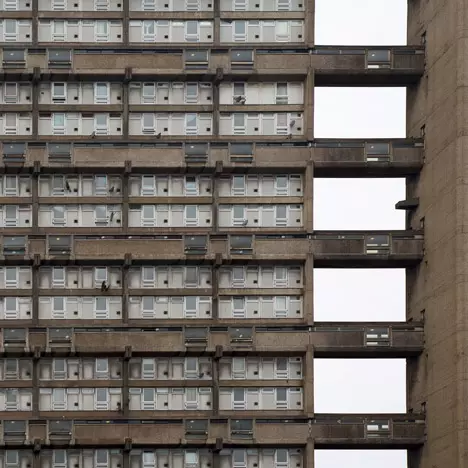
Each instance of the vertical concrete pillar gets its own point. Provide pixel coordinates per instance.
(309, 102)
(309, 381)
(309, 197)
(35, 22)
(309, 290)
(125, 23)
(309, 453)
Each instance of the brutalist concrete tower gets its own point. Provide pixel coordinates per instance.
(157, 248)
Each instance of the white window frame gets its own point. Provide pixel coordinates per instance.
(191, 187)
(58, 400)
(58, 185)
(238, 404)
(59, 129)
(148, 5)
(9, 189)
(11, 399)
(100, 312)
(101, 185)
(101, 404)
(147, 306)
(194, 372)
(280, 280)
(59, 5)
(238, 281)
(101, 97)
(282, 124)
(59, 215)
(10, 123)
(239, 307)
(192, 36)
(281, 404)
(282, 191)
(11, 305)
(101, 215)
(281, 221)
(101, 368)
(148, 30)
(148, 123)
(236, 220)
(101, 34)
(9, 463)
(239, 126)
(191, 312)
(148, 400)
(151, 282)
(11, 218)
(281, 464)
(191, 221)
(10, 5)
(11, 283)
(99, 277)
(101, 5)
(281, 373)
(148, 185)
(60, 281)
(192, 5)
(191, 94)
(59, 98)
(280, 34)
(239, 34)
(238, 191)
(101, 127)
(101, 464)
(191, 398)
(59, 307)
(10, 30)
(11, 374)
(238, 368)
(148, 93)
(191, 129)
(281, 98)
(281, 306)
(57, 372)
(59, 30)
(8, 96)
(150, 372)
(148, 216)
(188, 283)
(60, 463)
(238, 95)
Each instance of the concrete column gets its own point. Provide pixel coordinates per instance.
(35, 22)
(125, 23)
(309, 381)
(309, 103)
(309, 290)
(309, 197)
(309, 453)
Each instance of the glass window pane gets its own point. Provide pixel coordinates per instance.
(191, 302)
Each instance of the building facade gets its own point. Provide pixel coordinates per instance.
(156, 311)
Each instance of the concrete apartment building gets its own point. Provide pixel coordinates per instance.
(156, 310)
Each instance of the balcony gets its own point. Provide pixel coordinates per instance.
(386, 431)
(337, 340)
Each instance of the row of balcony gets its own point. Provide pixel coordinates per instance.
(326, 431)
(328, 249)
(358, 66)
(334, 340)
(330, 158)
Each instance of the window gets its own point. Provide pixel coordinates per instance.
(100, 214)
(59, 459)
(281, 458)
(10, 188)
(238, 368)
(281, 368)
(148, 215)
(238, 307)
(282, 185)
(102, 458)
(58, 5)
(238, 93)
(148, 185)
(11, 400)
(191, 398)
(101, 93)
(281, 93)
(58, 185)
(100, 185)
(191, 215)
(58, 307)
(147, 306)
(11, 215)
(100, 308)
(240, 31)
(190, 307)
(10, 28)
(191, 93)
(59, 399)
(148, 124)
(191, 368)
(58, 31)
(100, 276)
(238, 399)
(58, 216)
(102, 368)
(281, 277)
(11, 368)
(147, 400)
(282, 31)
(148, 459)
(239, 459)
(148, 369)
(101, 31)
(238, 215)
(238, 277)
(148, 275)
(282, 127)
(149, 31)
(59, 93)
(148, 94)
(58, 277)
(101, 124)
(11, 308)
(12, 459)
(58, 124)
(191, 31)
(11, 277)
(10, 93)
(281, 398)
(102, 400)
(191, 126)
(10, 124)
(191, 277)
(238, 185)
(281, 215)
(191, 186)
(239, 124)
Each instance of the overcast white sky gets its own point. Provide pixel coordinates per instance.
(359, 295)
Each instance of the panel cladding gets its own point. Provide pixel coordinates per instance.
(157, 244)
